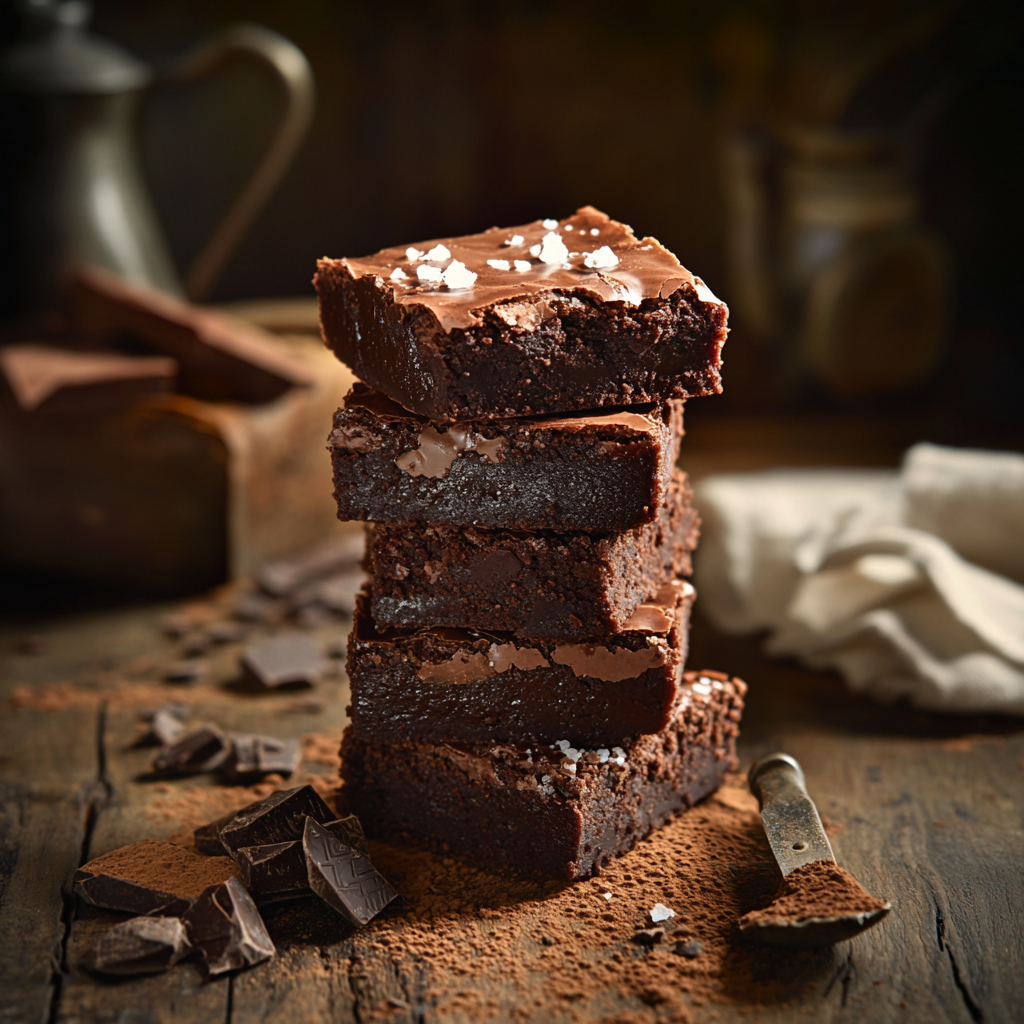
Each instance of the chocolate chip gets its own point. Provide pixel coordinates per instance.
(142, 945)
(343, 876)
(691, 949)
(545, 941)
(225, 924)
(649, 936)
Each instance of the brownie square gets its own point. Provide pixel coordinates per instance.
(540, 585)
(557, 810)
(443, 684)
(551, 316)
(594, 471)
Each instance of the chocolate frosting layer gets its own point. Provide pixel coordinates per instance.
(587, 254)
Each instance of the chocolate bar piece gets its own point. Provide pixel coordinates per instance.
(252, 757)
(559, 811)
(206, 838)
(53, 380)
(540, 585)
(286, 575)
(225, 924)
(277, 819)
(592, 471)
(147, 876)
(220, 357)
(142, 945)
(199, 751)
(460, 686)
(343, 876)
(547, 317)
(287, 662)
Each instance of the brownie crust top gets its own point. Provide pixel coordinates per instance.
(588, 254)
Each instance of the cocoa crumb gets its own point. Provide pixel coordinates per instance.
(819, 889)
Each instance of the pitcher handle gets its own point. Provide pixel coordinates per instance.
(294, 74)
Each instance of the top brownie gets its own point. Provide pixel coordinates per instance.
(553, 316)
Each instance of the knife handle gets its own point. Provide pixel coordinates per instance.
(791, 821)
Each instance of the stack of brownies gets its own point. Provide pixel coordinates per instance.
(517, 661)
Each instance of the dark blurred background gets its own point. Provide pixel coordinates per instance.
(450, 117)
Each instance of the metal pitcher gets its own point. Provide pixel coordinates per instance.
(81, 196)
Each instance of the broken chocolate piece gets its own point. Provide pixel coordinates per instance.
(274, 870)
(283, 662)
(343, 876)
(199, 751)
(142, 945)
(327, 558)
(277, 819)
(149, 877)
(166, 724)
(649, 936)
(189, 670)
(350, 831)
(206, 838)
(254, 756)
(225, 924)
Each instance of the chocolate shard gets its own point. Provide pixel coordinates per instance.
(325, 559)
(206, 838)
(343, 876)
(283, 662)
(350, 831)
(252, 757)
(199, 751)
(225, 924)
(142, 945)
(275, 870)
(277, 819)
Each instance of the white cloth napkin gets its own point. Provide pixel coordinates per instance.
(908, 583)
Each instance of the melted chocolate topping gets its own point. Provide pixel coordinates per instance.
(437, 452)
(516, 268)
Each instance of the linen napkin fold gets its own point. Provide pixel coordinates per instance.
(908, 583)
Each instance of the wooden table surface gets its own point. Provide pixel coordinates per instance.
(926, 810)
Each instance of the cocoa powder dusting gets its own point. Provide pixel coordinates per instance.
(482, 946)
(164, 867)
(819, 889)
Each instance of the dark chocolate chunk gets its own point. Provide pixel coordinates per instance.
(283, 662)
(206, 838)
(649, 936)
(148, 877)
(226, 632)
(343, 876)
(277, 819)
(199, 751)
(350, 831)
(545, 317)
(166, 724)
(274, 870)
(690, 949)
(287, 575)
(189, 670)
(252, 757)
(253, 606)
(225, 924)
(142, 945)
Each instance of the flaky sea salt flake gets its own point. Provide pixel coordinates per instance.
(595, 231)
(458, 276)
(534, 250)
(499, 264)
(659, 913)
(601, 259)
(553, 249)
(438, 254)
(607, 896)
(399, 275)
(549, 224)
(603, 754)
(430, 275)
(521, 265)
(412, 254)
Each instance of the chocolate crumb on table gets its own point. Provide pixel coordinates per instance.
(607, 470)
(820, 889)
(465, 686)
(545, 317)
(557, 811)
(536, 584)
